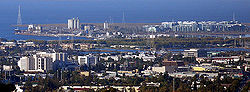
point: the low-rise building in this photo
(95, 88)
(182, 74)
(86, 73)
(225, 60)
(159, 69)
(195, 53)
(9, 44)
(7, 68)
(152, 84)
(173, 63)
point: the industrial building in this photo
(195, 53)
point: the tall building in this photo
(74, 23)
(26, 63)
(55, 56)
(106, 25)
(35, 63)
(59, 57)
(43, 63)
(70, 24)
(89, 60)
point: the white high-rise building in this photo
(55, 56)
(59, 57)
(43, 63)
(78, 26)
(88, 60)
(23, 63)
(82, 60)
(74, 23)
(26, 63)
(106, 25)
(70, 24)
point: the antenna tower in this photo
(19, 19)
(123, 19)
(233, 16)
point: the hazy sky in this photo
(97, 11)
(135, 10)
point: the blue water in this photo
(174, 50)
(136, 11)
(91, 52)
(217, 49)
(120, 50)
(111, 51)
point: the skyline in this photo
(99, 11)
(89, 11)
(125, 45)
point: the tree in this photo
(7, 87)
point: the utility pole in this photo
(174, 84)
(5, 75)
(235, 43)
(61, 75)
(57, 74)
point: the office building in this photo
(105, 25)
(88, 60)
(70, 24)
(43, 63)
(74, 23)
(26, 63)
(58, 56)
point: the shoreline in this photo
(98, 24)
(101, 24)
(49, 35)
(191, 33)
(196, 33)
